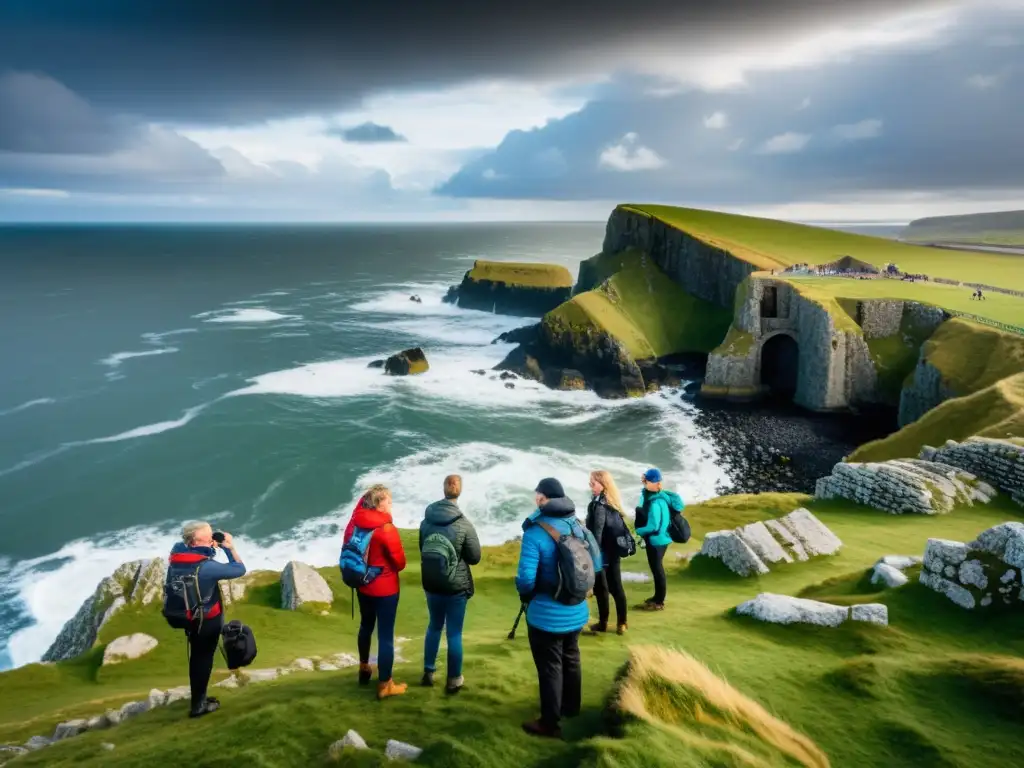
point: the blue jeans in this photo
(446, 612)
(379, 611)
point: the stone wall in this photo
(880, 319)
(925, 391)
(905, 486)
(999, 462)
(985, 572)
(705, 271)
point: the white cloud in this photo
(716, 121)
(785, 143)
(32, 192)
(735, 145)
(630, 155)
(804, 104)
(865, 129)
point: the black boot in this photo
(208, 705)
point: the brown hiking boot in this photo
(390, 688)
(537, 728)
(365, 674)
(652, 607)
(622, 629)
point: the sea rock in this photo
(139, 582)
(888, 576)
(37, 742)
(301, 584)
(511, 288)
(409, 362)
(399, 750)
(350, 739)
(376, 364)
(128, 647)
(783, 609)
(873, 613)
(69, 728)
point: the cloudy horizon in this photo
(242, 112)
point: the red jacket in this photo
(385, 549)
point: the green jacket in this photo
(445, 517)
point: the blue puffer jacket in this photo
(538, 568)
(655, 533)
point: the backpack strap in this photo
(550, 531)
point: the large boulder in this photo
(784, 609)
(139, 582)
(512, 288)
(128, 647)
(407, 363)
(981, 573)
(301, 584)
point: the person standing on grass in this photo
(378, 600)
(606, 521)
(449, 545)
(655, 502)
(554, 627)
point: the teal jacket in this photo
(655, 533)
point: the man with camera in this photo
(192, 601)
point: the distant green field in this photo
(1000, 307)
(771, 244)
(987, 237)
(522, 274)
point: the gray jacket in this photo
(445, 517)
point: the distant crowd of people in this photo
(562, 561)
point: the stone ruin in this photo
(981, 573)
(1000, 462)
(903, 486)
(749, 549)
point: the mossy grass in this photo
(971, 356)
(789, 671)
(523, 274)
(772, 244)
(896, 356)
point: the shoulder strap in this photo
(550, 531)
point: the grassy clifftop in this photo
(971, 357)
(997, 228)
(521, 274)
(863, 695)
(641, 307)
(772, 244)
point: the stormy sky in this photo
(450, 110)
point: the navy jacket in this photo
(211, 572)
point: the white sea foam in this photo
(157, 338)
(147, 429)
(117, 358)
(246, 315)
(30, 404)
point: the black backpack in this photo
(238, 644)
(618, 531)
(576, 555)
(678, 526)
(183, 601)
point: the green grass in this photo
(810, 678)
(971, 356)
(896, 356)
(522, 274)
(994, 237)
(771, 244)
(999, 307)
(996, 411)
(645, 310)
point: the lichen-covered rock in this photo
(940, 554)
(760, 540)
(128, 647)
(950, 589)
(873, 613)
(783, 609)
(888, 576)
(902, 486)
(982, 573)
(300, 584)
(814, 535)
(409, 362)
(998, 462)
(399, 750)
(149, 582)
(789, 542)
(734, 553)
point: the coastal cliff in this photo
(512, 288)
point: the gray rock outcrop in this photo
(784, 609)
(981, 573)
(399, 750)
(350, 739)
(749, 549)
(139, 582)
(301, 584)
(999, 462)
(128, 647)
(905, 486)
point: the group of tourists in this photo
(561, 563)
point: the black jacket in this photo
(606, 524)
(445, 517)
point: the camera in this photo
(218, 536)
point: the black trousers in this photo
(559, 674)
(656, 560)
(202, 647)
(609, 582)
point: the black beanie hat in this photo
(551, 488)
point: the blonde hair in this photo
(611, 491)
(374, 495)
(189, 531)
(453, 486)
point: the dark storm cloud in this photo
(248, 60)
(941, 118)
(367, 133)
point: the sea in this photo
(151, 375)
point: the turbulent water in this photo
(154, 375)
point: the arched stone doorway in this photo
(780, 362)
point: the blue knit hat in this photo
(653, 475)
